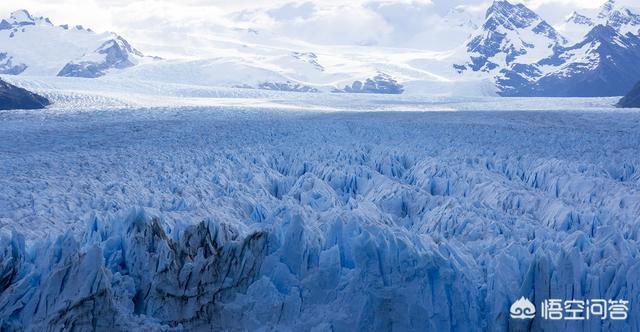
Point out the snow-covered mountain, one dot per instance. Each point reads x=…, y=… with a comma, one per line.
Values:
x=622, y=18
x=256, y=58
x=32, y=45
x=510, y=34
x=525, y=56
x=513, y=51
x=114, y=53
x=605, y=63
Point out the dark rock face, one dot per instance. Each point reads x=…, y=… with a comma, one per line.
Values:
x=13, y=97
x=381, y=83
x=603, y=64
x=612, y=70
x=631, y=99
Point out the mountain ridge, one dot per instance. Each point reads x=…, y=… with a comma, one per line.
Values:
x=514, y=49
x=601, y=63
x=34, y=45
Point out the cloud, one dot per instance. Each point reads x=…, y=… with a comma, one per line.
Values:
x=293, y=11
x=407, y=23
x=342, y=24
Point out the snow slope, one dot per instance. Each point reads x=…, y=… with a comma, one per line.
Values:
x=230, y=57
x=279, y=217
x=35, y=46
x=525, y=56
x=397, y=48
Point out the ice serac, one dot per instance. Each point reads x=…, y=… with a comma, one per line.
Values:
x=115, y=53
x=13, y=97
x=130, y=274
x=631, y=99
x=282, y=221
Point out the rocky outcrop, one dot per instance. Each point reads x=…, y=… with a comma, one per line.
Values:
x=381, y=83
x=286, y=86
x=508, y=33
x=8, y=67
x=525, y=56
x=631, y=99
x=13, y=97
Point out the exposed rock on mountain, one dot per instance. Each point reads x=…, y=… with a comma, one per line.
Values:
x=7, y=66
x=381, y=83
x=510, y=34
x=527, y=57
x=631, y=99
x=577, y=18
x=33, y=45
x=112, y=54
x=605, y=63
x=286, y=86
x=13, y=97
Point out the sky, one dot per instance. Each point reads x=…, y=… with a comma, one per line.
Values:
x=363, y=22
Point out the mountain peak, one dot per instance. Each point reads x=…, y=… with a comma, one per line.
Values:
x=81, y=53
x=510, y=16
x=510, y=32
x=503, y=15
x=601, y=32
x=606, y=8
x=22, y=15
x=578, y=18
x=624, y=19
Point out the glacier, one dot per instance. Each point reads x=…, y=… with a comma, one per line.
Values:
x=254, y=218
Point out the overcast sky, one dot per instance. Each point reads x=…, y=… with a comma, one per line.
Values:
x=147, y=21
x=112, y=14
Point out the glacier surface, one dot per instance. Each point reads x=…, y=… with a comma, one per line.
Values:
x=278, y=218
